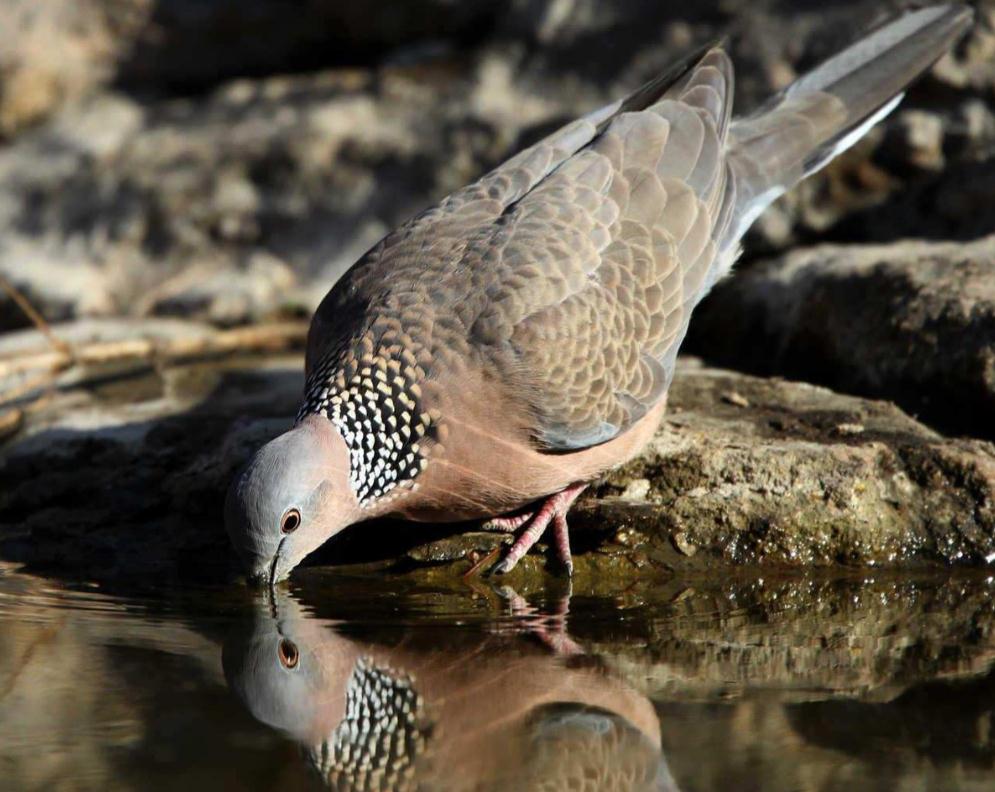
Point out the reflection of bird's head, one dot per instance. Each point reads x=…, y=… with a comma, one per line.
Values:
x=289, y=671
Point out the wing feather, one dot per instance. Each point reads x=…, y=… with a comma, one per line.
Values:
x=572, y=268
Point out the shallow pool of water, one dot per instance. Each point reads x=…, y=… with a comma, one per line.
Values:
x=346, y=681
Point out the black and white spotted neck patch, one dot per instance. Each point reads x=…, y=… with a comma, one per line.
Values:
x=381, y=736
x=375, y=403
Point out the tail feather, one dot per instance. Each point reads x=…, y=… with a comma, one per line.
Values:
x=827, y=110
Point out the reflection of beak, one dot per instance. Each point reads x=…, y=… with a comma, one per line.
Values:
x=260, y=576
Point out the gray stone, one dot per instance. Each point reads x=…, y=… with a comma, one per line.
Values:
x=229, y=208
x=911, y=321
x=778, y=483
x=54, y=52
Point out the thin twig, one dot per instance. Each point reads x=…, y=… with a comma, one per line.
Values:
x=481, y=563
x=34, y=315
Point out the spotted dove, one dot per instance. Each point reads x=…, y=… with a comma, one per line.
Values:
x=497, y=352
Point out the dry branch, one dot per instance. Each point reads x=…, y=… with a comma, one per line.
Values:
x=257, y=338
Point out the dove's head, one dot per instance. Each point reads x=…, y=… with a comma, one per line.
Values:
x=293, y=496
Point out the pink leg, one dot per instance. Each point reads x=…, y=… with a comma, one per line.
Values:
x=561, y=541
x=552, y=511
x=550, y=629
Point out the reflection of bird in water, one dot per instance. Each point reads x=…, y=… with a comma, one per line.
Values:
x=475, y=713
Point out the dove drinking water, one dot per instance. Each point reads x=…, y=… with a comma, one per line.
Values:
x=492, y=356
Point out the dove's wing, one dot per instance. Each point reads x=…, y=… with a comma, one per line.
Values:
x=593, y=274
x=568, y=275
x=431, y=244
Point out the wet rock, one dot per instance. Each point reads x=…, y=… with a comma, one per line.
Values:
x=828, y=667
x=123, y=472
x=868, y=636
x=783, y=675
x=684, y=544
x=807, y=661
x=797, y=635
x=778, y=483
x=912, y=321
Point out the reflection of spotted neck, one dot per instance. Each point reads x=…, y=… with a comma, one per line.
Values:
x=383, y=732
x=375, y=403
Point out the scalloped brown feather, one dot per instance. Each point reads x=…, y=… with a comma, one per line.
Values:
x=543, y=306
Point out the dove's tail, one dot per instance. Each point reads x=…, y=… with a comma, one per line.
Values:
x=826, y=111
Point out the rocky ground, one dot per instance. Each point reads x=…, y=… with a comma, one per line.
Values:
x=121, y=472
x=166, y=171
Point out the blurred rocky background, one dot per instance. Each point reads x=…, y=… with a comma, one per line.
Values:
x=172, y=168
x=225, y=160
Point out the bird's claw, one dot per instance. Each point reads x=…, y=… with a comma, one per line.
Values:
x=502, y=567
x=552, y=512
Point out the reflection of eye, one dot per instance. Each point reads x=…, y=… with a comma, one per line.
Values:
x=289, y=655
x=291, y=521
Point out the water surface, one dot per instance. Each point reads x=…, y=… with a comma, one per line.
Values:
x=346, y=681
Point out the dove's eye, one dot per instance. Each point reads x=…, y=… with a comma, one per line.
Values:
x=289, y=656
x=291, y=521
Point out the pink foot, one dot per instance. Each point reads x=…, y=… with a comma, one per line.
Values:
x=552, y=512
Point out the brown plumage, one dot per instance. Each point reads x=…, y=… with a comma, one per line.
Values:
x=518, y=339
x=488, y=713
